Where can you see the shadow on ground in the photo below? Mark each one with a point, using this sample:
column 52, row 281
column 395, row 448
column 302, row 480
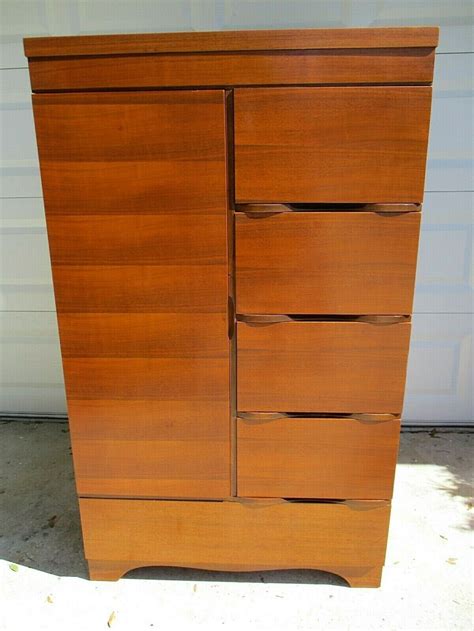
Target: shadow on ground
column 313, row 577
column 39, row 519
column 451, row 450
column 39, row 516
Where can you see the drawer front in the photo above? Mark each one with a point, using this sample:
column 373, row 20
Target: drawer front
column 326, row 262
column 234, row 535
column 232, row 68
column 331, row 144
column 336, row 458
column 341, row 367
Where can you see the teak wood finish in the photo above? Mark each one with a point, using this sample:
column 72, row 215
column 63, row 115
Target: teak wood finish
column 331, row 144
column 346, row 538
column 236, row 69
column 133, row 153
column 390, row 55
column 135, row 192
column 322, row 366
column 197, row 442
column 364, row 263
column 215, row 42
column 329, row 458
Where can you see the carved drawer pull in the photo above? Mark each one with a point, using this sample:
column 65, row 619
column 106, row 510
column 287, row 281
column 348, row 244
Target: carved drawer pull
column 258, row 319
column 265, row 417
column 260, row 211
column 261, row 417
column 383, row 319
column 263, row 319
column 374, row 418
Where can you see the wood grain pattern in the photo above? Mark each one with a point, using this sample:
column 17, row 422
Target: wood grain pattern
column 120, row 535
column 388, row 65
column 162, row 378
column 134, row 152
column 215, row 41
column 167, row 238
column 175, row 443
column 322, row 367
column 138, row 179
column 136, row 206
column 134, row 288
column 163, row 262
column 351, row 144
column 341, row 262
column 335, row 458
column 150, row 448
column 178, row 335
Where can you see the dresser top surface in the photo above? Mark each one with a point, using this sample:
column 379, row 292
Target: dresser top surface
column 225, row 41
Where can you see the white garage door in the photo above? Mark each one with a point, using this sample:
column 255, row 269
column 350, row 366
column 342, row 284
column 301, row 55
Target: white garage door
column 439, row 386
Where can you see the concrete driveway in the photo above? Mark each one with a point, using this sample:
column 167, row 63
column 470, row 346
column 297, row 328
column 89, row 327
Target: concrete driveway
column 427, row 581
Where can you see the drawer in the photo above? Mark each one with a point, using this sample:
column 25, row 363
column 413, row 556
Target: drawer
column 346, row 538
column 336, row 366
column 325, row 262
column 331, row 144
column 298, row 457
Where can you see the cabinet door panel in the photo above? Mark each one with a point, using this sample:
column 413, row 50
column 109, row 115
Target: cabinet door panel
column 132, row 288
column 117, row 457
column 136, row 209
column 166, row 238
column 120, row 152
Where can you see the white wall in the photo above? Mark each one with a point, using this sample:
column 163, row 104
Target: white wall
column 440, row 369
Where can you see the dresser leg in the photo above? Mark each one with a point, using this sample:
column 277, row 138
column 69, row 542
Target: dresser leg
column 364, row 577
column 107, row 570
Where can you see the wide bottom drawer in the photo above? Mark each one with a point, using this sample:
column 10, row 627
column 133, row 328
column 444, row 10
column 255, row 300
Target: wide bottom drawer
column 346, row 538
column 334, row 458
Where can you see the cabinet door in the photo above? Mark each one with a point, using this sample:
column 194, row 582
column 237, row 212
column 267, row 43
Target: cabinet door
column 331, row 144
column 136, row 206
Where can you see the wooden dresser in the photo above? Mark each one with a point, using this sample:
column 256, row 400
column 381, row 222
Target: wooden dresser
column 233, row 224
